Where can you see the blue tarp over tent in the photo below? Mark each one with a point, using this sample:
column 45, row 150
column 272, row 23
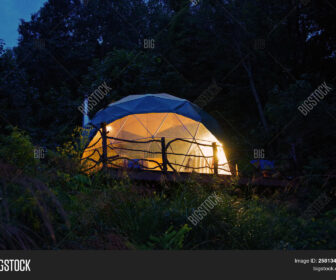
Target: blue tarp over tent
column 154, row 103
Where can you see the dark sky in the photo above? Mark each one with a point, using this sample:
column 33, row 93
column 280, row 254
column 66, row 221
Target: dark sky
column 11, row 11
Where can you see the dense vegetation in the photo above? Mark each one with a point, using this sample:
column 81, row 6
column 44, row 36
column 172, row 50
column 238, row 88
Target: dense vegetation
column 267, row 56
column 50, row 204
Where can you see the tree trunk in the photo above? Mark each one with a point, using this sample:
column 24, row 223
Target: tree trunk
column 247, row 67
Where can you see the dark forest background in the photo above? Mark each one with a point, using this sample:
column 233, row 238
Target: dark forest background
column 268, row 56
column 280, row 51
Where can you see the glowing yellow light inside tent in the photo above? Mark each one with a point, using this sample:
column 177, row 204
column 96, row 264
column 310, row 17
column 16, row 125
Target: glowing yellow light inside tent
column 220, row 154
column 142, row 127
column 222, row 160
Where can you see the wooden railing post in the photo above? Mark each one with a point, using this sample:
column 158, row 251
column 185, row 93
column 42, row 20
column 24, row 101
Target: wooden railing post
column 215, row 157
column 104, row 144
column 164, row 154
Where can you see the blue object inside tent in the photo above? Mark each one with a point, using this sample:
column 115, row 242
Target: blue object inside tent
column 154, row 103
column 263, row 164
column 135, row 164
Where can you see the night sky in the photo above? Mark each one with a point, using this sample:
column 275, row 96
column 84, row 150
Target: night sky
column 11, row 11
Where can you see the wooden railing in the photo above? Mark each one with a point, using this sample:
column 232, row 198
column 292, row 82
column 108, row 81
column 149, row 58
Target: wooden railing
column 105, row 161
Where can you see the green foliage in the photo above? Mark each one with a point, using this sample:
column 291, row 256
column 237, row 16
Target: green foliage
column 17, row 149
column 79, row 208
column 75, row 147
column 99, row 204
column 31, row 216
column 170, row 240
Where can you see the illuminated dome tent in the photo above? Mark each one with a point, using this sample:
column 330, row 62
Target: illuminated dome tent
column 150, row 117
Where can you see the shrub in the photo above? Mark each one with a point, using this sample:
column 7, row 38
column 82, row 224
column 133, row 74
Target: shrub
column 17, row 149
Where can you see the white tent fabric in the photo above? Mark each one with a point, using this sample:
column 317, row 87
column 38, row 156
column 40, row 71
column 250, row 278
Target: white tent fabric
column 184, row 156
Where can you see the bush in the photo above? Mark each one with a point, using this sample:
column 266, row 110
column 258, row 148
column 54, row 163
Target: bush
column 17, row 149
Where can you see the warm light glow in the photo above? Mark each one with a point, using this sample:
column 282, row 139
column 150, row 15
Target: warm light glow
column 220, row 154
column 140, row 127
column 222, row 160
